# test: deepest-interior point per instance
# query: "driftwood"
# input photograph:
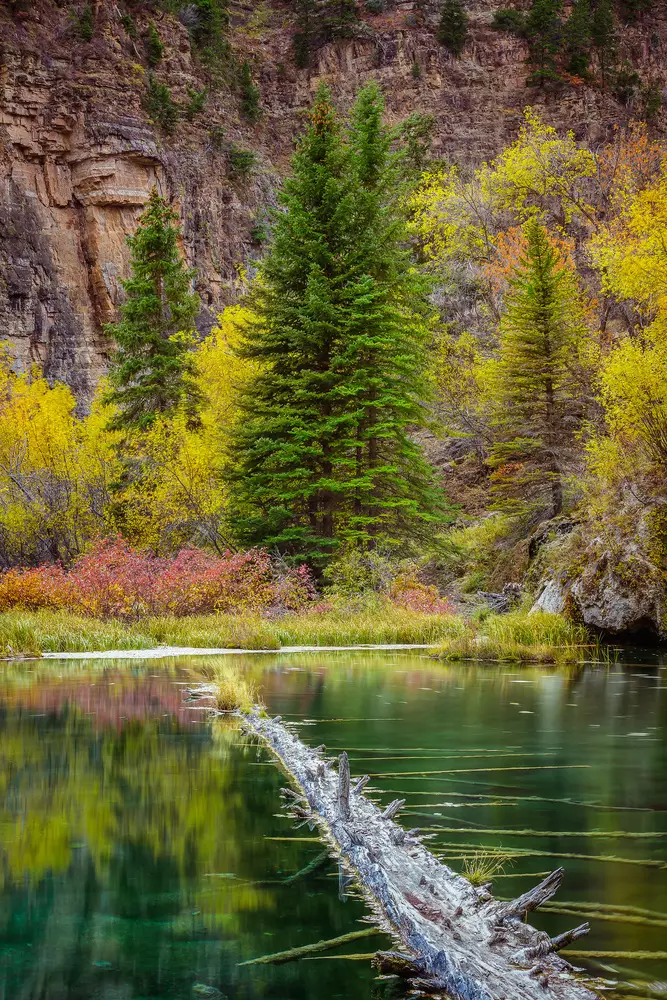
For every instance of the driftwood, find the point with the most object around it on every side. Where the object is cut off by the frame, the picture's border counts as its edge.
(455, 939)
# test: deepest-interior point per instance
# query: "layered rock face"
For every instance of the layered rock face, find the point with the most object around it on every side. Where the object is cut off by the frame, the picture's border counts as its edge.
(78, 154)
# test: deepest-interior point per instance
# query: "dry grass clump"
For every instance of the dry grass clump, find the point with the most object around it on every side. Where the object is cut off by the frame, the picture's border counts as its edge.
(220, 631)
(374, 626)
(30, 633)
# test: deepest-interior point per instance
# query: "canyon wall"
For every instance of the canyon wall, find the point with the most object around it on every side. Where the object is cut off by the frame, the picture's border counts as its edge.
(79, 155)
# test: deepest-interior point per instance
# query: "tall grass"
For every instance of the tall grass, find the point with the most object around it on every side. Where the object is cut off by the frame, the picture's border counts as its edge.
(29, 633)
(376, 626)
(518, 637)
(234, 690)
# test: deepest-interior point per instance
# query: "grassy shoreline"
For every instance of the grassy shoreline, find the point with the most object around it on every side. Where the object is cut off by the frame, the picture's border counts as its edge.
(515, 637)
(518, 637)
(31, 633)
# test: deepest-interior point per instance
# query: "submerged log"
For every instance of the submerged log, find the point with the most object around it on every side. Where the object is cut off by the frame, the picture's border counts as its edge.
(454, 939)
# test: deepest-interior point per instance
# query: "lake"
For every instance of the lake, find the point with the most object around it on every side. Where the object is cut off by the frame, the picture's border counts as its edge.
(143, 853)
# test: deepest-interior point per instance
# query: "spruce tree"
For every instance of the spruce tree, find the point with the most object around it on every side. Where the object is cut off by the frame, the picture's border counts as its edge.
(151, 373)
(578, 38)
(453, 27)
(283, 491)
(339, 18)
(539, 392)
(603, 33)
(383, 353)
(544, 31)
(321, 452)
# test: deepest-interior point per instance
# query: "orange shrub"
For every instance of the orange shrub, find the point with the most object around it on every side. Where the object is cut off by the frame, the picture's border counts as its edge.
(43, 587)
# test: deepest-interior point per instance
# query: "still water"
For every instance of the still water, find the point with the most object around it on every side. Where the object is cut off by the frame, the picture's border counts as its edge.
(143, 854)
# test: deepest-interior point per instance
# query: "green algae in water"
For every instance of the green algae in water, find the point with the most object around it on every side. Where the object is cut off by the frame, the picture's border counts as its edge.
(143, 855)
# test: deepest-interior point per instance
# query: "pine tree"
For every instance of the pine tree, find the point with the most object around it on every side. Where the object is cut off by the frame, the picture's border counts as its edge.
(539, 392)
(603, 33)
(321, 452)
(544, 30)
(578, 38)
(150, 372)
(453, 27)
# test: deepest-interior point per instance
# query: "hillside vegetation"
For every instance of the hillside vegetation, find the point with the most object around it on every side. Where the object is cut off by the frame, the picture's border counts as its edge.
(452, 377)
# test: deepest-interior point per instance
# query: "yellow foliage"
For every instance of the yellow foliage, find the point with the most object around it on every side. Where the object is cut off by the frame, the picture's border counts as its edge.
(459, 374)
(538, 169)
(55, 470)
(540, 175)
(175, 493)
(632, 253)
(451, 219)
(221, 374)
(65, 480)
(634, 393)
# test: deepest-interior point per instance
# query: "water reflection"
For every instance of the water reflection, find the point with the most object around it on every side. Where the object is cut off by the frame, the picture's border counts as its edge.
(135, 860)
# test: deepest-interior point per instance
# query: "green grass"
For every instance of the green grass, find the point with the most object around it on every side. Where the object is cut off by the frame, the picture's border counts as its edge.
(29, 633)
(482, 866)
(373, 627)
(520, 638)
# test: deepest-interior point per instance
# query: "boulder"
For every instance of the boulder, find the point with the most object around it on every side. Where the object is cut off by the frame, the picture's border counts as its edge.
(614, 579)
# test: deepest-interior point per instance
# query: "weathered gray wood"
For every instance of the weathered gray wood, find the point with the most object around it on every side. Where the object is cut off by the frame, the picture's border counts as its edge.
(534, 898)
(393, 808)
(344, 786)
(562, 940)
(454, 939)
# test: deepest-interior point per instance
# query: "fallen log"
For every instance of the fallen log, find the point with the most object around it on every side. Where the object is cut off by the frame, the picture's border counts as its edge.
(455, 939)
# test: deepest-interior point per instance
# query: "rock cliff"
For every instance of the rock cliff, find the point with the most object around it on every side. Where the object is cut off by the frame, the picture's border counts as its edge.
(79, 154)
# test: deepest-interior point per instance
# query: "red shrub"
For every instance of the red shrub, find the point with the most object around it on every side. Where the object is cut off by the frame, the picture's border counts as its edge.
(197, 582)
(113, 580)
(408, 592)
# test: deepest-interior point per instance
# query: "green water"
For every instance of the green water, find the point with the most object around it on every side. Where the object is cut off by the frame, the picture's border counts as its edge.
(135, 851)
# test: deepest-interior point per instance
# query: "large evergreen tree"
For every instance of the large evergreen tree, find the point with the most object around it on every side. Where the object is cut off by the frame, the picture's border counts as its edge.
(385, 344)
(287, 442)
(453, 26)
(151, 373)
(321, 452)
(303, 37)
(538, 394)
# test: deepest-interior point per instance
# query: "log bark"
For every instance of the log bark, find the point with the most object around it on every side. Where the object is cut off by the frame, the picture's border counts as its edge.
(452, 938)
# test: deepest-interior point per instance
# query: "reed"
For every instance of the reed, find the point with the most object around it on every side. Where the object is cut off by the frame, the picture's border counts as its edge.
(519, 637)
(384, 625)
(234, 690)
